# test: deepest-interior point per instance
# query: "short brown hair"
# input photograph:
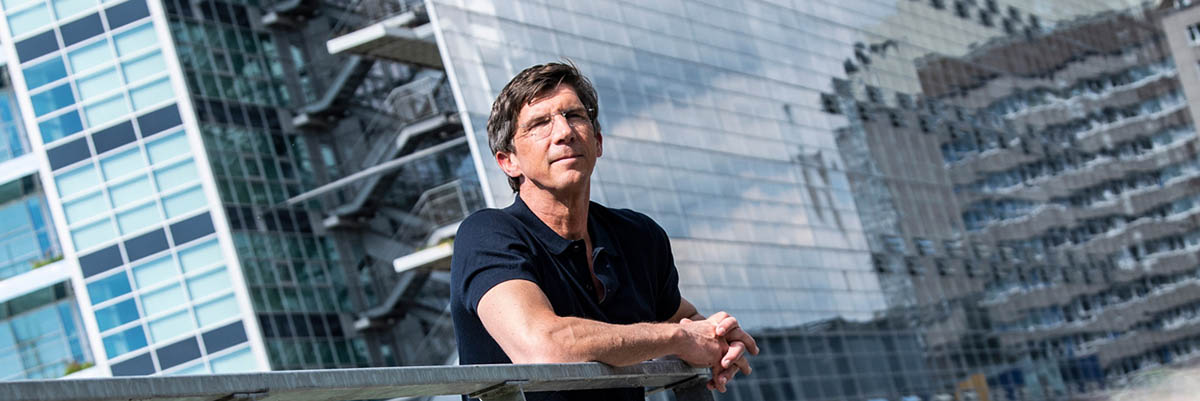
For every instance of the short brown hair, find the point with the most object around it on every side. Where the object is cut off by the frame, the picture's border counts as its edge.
(527, 86)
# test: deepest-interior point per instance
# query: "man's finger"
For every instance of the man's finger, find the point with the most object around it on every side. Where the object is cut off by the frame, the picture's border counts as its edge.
(735, 352)
(726, 325)
(738, 334)
(743, 365)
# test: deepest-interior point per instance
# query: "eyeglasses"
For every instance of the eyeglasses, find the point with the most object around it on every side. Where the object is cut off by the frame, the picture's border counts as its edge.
(541, 127)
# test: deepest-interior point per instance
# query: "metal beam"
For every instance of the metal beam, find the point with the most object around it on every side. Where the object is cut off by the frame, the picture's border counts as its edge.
(358, 384)
(381, 168)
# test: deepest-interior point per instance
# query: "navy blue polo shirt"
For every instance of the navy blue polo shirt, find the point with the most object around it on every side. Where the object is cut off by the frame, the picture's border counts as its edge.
(631, 256)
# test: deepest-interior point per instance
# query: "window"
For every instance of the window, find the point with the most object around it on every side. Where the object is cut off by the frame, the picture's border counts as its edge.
(1194, 34)
(52, 99)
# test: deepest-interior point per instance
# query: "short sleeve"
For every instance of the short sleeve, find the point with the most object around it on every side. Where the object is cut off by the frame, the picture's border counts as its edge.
(668, 298)
(488, 250)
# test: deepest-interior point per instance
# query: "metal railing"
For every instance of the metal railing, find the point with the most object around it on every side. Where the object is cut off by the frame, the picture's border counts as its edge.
(487, 382)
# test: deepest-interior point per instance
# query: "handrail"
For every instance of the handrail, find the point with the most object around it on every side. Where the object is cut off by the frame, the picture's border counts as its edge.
(488, 382)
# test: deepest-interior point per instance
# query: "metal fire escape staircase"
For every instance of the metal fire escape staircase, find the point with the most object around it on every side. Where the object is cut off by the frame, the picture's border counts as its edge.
(412, 123)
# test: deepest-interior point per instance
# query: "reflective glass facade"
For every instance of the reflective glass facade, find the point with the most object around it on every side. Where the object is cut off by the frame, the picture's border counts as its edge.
(29, 240)
(41, 335)
(908, 198)
(899, 198)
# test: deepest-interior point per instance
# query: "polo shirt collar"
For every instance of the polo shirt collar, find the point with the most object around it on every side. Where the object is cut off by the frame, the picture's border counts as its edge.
(601, 240)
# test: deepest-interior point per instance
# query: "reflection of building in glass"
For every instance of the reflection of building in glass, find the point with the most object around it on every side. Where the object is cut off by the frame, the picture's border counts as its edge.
(1060, 165)
(918, 198)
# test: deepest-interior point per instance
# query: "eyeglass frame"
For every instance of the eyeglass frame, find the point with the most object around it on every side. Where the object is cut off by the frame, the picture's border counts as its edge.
(549, 122)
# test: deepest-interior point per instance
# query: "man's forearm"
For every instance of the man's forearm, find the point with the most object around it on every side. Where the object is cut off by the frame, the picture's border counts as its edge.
(571, 339)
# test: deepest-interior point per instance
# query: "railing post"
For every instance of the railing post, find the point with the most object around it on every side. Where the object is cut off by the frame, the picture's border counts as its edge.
(693, 390)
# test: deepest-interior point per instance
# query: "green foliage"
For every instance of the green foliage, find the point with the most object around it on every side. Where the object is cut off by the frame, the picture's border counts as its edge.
(76, 366)
(47, 261)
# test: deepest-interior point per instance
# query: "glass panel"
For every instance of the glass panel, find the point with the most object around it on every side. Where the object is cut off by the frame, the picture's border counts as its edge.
(79, 179)
(184, 202)
(29, 20)
(143, 66)
(175, 176)
(106, 288)
(35, 324)
(116, 315)
(10, 365)
(125, 341)
(122, 163)
(11, 4)
(151, 94)
(138, 218)
(170, 326)
(61, 126)
(53, 99)
(196, 369)
(208, 283)
(238, 361)
(67, 8)
(200, 256)
(85, 207)
(93, 234)
(135, 39)
(165, 299)
(6, 337)
(130, 191)
(164, 149)
(217, 310)
(98, 84)
(48, 71)
(106, 110)
(155, 271)
(90, 56)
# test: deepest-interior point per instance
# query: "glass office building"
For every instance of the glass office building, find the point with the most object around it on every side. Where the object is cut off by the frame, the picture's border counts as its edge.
(941, 199)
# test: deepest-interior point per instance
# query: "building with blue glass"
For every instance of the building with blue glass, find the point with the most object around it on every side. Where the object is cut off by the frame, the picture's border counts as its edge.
(904, 198)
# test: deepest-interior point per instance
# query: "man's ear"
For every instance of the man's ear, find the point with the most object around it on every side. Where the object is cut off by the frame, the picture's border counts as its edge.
(599, 144)
(509, 164)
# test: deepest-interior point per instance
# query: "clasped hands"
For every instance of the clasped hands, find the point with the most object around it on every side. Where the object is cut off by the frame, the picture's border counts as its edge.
(720, 343)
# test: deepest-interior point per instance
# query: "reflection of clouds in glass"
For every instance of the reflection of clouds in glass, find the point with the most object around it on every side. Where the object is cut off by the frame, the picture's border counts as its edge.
(1162, 385)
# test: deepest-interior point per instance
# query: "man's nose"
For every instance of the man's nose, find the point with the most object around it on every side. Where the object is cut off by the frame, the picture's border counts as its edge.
(561, 128)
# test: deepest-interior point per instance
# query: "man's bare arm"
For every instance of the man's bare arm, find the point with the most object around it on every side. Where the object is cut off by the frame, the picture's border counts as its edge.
(519, 316)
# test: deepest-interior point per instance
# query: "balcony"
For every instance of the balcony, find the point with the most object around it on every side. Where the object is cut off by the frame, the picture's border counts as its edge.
(487, 382)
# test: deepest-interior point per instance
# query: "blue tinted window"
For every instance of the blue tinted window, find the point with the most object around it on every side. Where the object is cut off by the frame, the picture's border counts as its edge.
(100, 261)
(125, 341)
(81, 29)
(109, 287)
(113, 137)
(191, 229)
(224, 337)
(61, 126)
(68, 153)
(116, 315)
(178, 353)
(159, 120)
(126, 12)
(146, 245)
(140, 365)
(53, 99)
(37, 46)
(45, 72)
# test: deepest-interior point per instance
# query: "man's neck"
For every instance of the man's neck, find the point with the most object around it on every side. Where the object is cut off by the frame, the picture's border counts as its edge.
(566, 213)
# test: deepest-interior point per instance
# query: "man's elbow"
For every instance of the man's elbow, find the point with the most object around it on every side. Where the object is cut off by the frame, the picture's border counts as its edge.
(547, 349)
(540, 357)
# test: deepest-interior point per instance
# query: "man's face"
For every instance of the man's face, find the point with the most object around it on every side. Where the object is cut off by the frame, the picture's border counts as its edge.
(555, 148)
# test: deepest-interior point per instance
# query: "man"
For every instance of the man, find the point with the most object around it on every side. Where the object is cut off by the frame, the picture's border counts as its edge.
(557, 278)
